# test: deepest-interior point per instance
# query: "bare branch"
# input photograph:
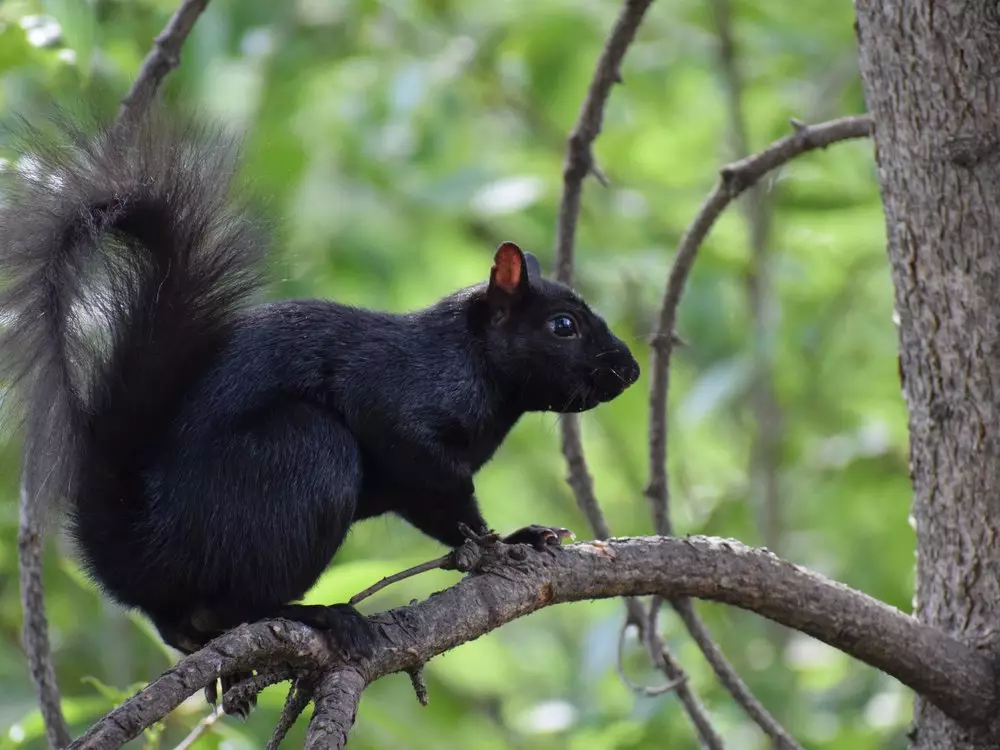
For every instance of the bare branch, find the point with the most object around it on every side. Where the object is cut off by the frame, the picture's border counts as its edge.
(730, 678)
(337, 698)
(435, 564)
(296, 702)
(512, 581)
(35, 628)
(734, 179)
(648, 690)
(756, 205)
(164, 57)
(578, 164)
(667, 662)
(578, 476)
(200, 728)
(419, 684)
(579, 157)
(758, 218)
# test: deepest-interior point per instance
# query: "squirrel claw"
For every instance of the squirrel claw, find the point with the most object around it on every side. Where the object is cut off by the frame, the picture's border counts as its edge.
(542, 538)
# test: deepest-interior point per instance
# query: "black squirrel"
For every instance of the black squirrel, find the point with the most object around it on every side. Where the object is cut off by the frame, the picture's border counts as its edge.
(214, 451)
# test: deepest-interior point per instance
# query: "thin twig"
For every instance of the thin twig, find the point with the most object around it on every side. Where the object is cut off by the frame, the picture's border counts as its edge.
(664, 660)
(200, 728)
(579, 163)
(419, 683)
(162, 58)
(757, 215)
(296, 702)
(35, 628)
(579, 155)
(734, 179)
(435, 564)
(757, 206)
(647, 690)
(710, 737)
(578, 476)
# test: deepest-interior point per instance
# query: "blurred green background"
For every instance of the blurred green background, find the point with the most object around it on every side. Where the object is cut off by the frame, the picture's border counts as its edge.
(393, 145)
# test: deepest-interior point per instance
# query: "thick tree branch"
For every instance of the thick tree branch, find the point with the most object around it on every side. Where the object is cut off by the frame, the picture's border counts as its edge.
(162, 58)
(513, 581)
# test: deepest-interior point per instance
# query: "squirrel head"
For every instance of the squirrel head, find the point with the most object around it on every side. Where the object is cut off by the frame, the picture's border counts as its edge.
(549, 349)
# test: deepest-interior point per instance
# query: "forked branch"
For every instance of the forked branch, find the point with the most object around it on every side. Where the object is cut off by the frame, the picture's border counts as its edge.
(512, 581)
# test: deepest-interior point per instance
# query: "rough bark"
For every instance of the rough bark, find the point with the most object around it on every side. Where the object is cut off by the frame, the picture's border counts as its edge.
(930, 73)
(514, 581)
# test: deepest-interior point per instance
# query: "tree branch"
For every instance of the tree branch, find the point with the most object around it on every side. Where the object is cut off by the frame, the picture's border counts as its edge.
(733, 180)
(296, 702)
(35, 628)
(200, 729)
(579, 162)
(337, 698)
(757, 204)
(757, 214)
(512, 581)
(162, 58)
(579, 156)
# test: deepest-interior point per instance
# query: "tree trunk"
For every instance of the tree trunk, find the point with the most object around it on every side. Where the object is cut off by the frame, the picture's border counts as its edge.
(931, 72)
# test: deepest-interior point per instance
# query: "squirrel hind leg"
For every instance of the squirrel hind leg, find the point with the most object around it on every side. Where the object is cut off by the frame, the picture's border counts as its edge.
(186, 636)
(350, 630)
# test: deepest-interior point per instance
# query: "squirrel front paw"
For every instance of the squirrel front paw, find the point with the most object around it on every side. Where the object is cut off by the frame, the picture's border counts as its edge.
(540, 537)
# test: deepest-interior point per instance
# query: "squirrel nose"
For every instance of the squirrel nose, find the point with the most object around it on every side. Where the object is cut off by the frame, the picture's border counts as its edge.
(627, 368)
(631, 371)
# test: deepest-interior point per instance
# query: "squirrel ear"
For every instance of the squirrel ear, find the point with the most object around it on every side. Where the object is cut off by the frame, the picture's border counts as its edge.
(509, 275)
(534, 271)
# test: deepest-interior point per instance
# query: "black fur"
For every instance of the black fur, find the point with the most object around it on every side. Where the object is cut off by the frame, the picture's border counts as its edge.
(215, 453)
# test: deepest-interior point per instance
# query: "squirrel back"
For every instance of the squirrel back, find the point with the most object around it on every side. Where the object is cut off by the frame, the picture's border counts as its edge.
(124, 262)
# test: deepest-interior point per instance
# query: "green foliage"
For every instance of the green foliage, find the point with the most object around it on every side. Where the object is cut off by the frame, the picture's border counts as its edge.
(393, 145)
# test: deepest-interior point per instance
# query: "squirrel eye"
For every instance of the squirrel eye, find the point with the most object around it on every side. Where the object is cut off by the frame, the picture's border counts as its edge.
(563, 326)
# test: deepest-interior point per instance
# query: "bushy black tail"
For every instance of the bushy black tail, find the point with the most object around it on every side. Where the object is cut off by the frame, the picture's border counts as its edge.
(123, 262)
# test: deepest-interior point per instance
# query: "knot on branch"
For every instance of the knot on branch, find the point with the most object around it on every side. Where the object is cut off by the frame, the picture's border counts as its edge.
(579, 158)
(481, 551)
